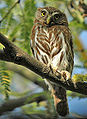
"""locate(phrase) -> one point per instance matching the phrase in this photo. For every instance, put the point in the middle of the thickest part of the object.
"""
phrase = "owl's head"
(49, 16)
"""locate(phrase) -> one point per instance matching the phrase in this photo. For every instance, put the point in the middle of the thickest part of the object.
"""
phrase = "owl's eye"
(43, 13)
(56, 16)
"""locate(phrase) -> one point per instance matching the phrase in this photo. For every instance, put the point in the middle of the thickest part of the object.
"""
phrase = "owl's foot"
(66, 75)
(54, 70)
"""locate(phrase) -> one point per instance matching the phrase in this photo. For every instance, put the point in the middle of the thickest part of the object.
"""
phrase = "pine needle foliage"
(27, 22)
(17, 25)
(19, 22)
(5, 79)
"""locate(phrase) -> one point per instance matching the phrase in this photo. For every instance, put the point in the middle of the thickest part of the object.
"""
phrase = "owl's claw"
(55, 71)
(66, 75)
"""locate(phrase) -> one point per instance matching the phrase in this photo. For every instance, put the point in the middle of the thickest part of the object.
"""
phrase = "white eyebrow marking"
(44, 10)
(55, 13)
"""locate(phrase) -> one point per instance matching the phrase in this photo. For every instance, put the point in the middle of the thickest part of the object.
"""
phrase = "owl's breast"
(50, 47)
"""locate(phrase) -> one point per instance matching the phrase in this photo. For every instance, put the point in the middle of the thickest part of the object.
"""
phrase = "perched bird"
(51, 43)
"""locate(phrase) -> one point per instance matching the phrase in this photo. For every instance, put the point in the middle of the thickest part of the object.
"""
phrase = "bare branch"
(14, 54)
(14, 103)
(29, 75)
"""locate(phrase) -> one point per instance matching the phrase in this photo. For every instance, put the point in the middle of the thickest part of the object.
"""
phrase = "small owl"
(51, 43)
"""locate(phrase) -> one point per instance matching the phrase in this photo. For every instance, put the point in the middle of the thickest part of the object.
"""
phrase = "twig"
(79, 66)
(14, 103)
(18, 1)
(74, 11)
(12, 53)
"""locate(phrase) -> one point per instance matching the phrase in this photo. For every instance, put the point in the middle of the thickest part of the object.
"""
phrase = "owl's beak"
(48, 19)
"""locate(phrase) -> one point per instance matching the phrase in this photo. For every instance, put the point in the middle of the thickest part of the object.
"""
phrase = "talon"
(56, 72)
(66, 75)
(54, 69)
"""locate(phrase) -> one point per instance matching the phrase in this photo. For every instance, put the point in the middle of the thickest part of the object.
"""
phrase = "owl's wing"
(32, 42)
(71, 55)
(68, 37)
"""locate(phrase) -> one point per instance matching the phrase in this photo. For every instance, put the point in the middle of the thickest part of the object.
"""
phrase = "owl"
(51, 44)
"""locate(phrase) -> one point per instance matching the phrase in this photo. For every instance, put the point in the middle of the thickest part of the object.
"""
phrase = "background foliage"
(17, 27)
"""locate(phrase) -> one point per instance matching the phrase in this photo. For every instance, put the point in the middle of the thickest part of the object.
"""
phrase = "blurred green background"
(17, 81)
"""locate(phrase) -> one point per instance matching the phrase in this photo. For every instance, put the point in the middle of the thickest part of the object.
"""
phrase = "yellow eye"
(43, 13)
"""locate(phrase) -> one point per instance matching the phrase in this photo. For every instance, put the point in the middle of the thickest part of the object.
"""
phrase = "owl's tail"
(60, 100)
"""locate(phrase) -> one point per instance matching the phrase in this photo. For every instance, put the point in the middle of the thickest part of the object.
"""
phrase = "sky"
(83, 38)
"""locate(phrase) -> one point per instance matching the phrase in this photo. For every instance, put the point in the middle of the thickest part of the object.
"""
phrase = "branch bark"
(29, 75)
(12, 53)
(14, 103)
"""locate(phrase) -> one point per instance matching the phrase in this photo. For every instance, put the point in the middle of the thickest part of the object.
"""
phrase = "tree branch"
(14, 54)
(14, 103)
(29, 75)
